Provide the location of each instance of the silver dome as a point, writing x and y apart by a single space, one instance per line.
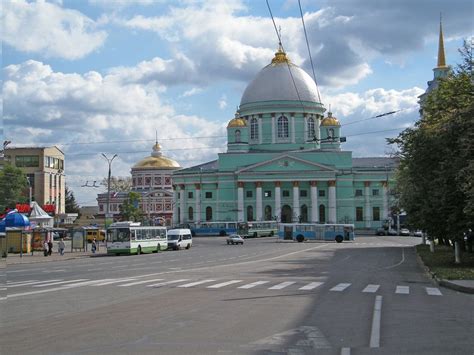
274 83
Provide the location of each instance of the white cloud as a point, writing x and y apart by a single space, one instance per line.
48 29
192 92
223 102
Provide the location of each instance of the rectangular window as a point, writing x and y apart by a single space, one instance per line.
375 192
303 193
25 161
208 194
322 193
358 193
376 213
359 214
190 194
249 194
286 193
267 193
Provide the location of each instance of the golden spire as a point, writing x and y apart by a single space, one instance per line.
441 56
280 55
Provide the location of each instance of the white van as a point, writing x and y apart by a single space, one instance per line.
179 238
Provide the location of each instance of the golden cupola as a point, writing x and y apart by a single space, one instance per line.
156 161
330 120
237 121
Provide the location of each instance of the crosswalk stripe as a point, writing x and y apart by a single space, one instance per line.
167 283
19 282
371 288
224 284
113 282
196 283
31 283
340 287
253 284
311 285
433 291
403 290
281 285
60 282
139 282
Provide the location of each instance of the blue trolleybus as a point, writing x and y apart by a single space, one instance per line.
212 228
301 232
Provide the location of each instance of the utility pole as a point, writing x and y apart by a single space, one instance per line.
109 161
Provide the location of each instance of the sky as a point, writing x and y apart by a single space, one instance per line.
109 76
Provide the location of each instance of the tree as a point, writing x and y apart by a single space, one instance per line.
71 205
13 185
118 184
130 209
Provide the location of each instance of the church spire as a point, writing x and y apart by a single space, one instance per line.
441 56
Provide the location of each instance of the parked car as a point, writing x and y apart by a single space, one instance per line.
405 232
235 239
418 233
381 231
392 232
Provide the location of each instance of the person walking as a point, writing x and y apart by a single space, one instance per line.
61 246
45 248
94 246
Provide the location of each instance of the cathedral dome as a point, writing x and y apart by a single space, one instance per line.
156 161
275 83
237 122
330 120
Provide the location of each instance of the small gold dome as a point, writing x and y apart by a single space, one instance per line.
156 161
237 122
330 120
280 57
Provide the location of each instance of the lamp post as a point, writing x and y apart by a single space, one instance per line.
109 161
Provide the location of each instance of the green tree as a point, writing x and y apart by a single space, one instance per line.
13 187
71 205
130 209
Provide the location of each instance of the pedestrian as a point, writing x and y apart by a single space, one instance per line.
94 246
45 247
61 246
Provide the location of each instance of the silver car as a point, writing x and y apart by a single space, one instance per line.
235 239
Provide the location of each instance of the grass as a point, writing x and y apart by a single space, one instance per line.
441 262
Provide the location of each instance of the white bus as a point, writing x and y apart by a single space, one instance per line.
132 238
257 229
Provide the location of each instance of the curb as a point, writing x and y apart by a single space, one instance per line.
24 260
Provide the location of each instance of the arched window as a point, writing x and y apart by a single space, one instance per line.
330 132
237 136
249 213
254 129
322 214
310 127
190 214
304 214
283 127
268 213
208 213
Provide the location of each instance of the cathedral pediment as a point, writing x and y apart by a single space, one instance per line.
286 163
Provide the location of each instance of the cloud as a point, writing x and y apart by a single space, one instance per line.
192 92
223 102
48 29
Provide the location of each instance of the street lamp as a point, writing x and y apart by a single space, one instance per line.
109 161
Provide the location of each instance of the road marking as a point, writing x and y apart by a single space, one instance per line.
371 288
61 288
19 282
167 283
340 287
311 285
31 283
139 282
399 263
60 282
60 270
433 291
281 285
113 281
345 351
375 333
224 284
403 290
196 283
253 284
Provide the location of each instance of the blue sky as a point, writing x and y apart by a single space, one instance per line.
79 74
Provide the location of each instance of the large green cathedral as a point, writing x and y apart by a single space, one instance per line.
284 162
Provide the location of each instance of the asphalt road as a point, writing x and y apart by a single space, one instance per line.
265 297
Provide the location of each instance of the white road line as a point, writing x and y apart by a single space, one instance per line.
253 284
433 291
196 283
340 287
167 283
282 285
61 288
31 283
371 288
375 333
139 282
113 282
345 351
404 290
60 282
311 285
19 282
48 271
224 284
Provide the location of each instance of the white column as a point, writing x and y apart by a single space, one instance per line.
260 138
182 203
175 206
273 129
240 202
296 201
332 218
258 192
198 204
217 209
278 201
305 128
385 200
293 129
314 202
367 214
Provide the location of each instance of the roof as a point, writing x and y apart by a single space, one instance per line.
211 165
375 162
